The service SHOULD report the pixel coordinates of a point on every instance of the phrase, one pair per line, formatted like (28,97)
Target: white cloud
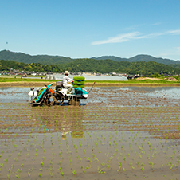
(174,32)
(134,35)
(119,38)
(152,35)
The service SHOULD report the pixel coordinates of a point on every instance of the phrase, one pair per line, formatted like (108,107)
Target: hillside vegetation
(28,59)
(92,65)
(59,60)
(141,57)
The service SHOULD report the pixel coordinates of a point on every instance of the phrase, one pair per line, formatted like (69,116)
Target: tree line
(92,65)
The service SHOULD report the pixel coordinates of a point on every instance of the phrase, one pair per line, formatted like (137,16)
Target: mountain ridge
(139,57)
(58,60)
(28,59)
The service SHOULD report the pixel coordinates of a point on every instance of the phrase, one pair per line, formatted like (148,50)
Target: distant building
(34,74)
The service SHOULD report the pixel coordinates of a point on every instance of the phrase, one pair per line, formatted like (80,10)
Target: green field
(20,80)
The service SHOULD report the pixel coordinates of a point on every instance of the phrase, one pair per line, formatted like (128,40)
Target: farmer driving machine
(48,96)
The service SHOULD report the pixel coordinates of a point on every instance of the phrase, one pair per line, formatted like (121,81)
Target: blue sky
(91,28)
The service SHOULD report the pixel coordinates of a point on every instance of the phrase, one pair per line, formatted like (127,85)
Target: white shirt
(66,79)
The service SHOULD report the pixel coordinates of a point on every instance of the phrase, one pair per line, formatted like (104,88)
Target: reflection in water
(105,109)
(76,120)
(27,119)
(60,118)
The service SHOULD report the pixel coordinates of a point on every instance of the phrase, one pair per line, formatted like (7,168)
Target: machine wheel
(62,101)
(51,103)
(59,99)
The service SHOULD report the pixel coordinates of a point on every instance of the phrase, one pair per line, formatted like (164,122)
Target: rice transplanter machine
(48,96)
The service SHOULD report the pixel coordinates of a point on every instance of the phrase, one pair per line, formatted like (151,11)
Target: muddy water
(117,133)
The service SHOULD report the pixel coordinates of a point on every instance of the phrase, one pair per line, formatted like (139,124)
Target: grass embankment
(18,81)
(145,82)
(134,82)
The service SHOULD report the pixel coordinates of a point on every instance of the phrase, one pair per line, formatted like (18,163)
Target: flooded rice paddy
(117,133)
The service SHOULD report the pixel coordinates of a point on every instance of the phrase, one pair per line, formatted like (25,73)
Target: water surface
(117,133)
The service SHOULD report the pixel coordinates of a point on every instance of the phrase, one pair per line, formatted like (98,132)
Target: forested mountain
(92,65)
(57,60)
(113,58)
(140,57)
(140,64)
(105,66)
(26,58)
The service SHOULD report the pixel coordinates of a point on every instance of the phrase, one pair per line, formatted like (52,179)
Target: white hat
(66,72)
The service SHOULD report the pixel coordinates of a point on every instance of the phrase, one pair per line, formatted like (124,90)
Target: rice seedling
(62,173)
(42,163)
